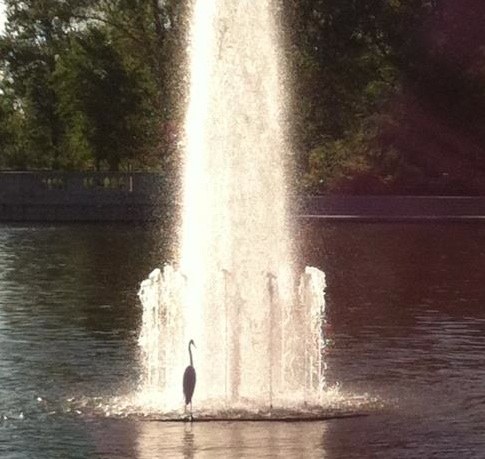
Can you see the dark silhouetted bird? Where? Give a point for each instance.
(189, 380)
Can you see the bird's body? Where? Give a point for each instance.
(189, 380)
(189, 383)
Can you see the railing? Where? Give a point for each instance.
(80, 196)
(38, 186)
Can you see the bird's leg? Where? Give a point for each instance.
(191, 417)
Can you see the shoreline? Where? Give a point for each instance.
(132, 209)
(142, 197)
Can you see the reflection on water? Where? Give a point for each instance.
(222, 440)
(405, 319)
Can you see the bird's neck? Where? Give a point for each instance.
(190, 355)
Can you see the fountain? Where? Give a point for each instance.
(257, 328)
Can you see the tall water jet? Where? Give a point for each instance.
(258, 335)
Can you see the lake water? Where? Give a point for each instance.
(406, 324)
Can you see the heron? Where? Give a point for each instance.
(189, 380)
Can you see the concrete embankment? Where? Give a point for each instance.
(79, 197)
(138, 197)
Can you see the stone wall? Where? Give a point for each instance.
(131, 197)
(79, 196)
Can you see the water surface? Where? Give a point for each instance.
(406, 322)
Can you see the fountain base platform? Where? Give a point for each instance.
(290, 418)
(261, 419)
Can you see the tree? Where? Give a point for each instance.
(35, 33)
(99, 100)
(344, 75)
(111, 49)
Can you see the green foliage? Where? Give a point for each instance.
(98, 100)
(387, 95)
(35, 33)
(343, 70)
(333, 160)
(411, 69)
(85, 83)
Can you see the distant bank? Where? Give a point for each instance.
(80, 196)
(137, 197)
